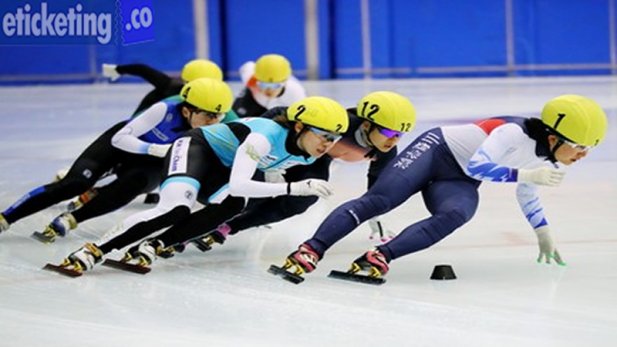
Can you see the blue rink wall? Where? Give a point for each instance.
(349, 39)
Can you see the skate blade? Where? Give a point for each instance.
(39, 236)
(341, 275)
(120, 265)
(63, 270)
(286, 275)
(202, 245)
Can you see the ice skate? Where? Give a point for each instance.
(79, 261)
(4, 225)
(148, 251)
(302, 261)
(138, 259)
(81, 200)
(369, 268)
(58, 227)
(204, 244)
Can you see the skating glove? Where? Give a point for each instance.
(547, 247)
(378, 232)
(544, 175)
(311, 186)
(158, 150)
(109, 71)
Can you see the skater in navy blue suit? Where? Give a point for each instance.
(447, 165)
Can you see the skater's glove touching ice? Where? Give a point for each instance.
(109, 71)
(312, 186)
(379, 232)
(544, 175)
(546, 244)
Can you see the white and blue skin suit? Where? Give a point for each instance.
(215, 166)
(132, 149)
(447, 164)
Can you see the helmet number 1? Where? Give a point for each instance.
(374, 108)
(560, 116)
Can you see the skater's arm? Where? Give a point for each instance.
(127, 138)
(155, 77)
(263, 211)
(506, 139)
(528, 200)
(245, 163)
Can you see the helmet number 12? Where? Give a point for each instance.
(374, 108)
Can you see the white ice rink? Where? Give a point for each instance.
(502, 297)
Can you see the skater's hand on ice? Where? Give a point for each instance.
(379, 232)
(311, 186)
(546, 244)
(544, 175)
(109, 71)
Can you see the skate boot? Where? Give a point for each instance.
(82, 200)
(302, 261)
(217, 236)
(148, 251)
(84, 258)
(131, 254)
(58, 227)
(4, 225)
(373, 262)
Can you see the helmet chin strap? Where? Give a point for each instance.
(558, 144)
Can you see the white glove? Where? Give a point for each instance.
(274, 176)
(544, 175)
(378, 232)
(311, 186)
(109, 71)
(158, 150)
(547, 246)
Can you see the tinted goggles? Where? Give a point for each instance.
(389, 133)
(270, 85)
(327, 135)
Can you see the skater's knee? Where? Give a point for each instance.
(459, 215)
(376, 203)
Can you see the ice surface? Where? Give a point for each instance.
(502, 297)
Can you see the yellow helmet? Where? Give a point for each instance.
(272, 68)
(208, 94)
(389, 110)
(200, 68)
(576, 118)
(320, 112)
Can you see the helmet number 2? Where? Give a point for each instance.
(301, 109)
(372, 109)
(560, 116)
